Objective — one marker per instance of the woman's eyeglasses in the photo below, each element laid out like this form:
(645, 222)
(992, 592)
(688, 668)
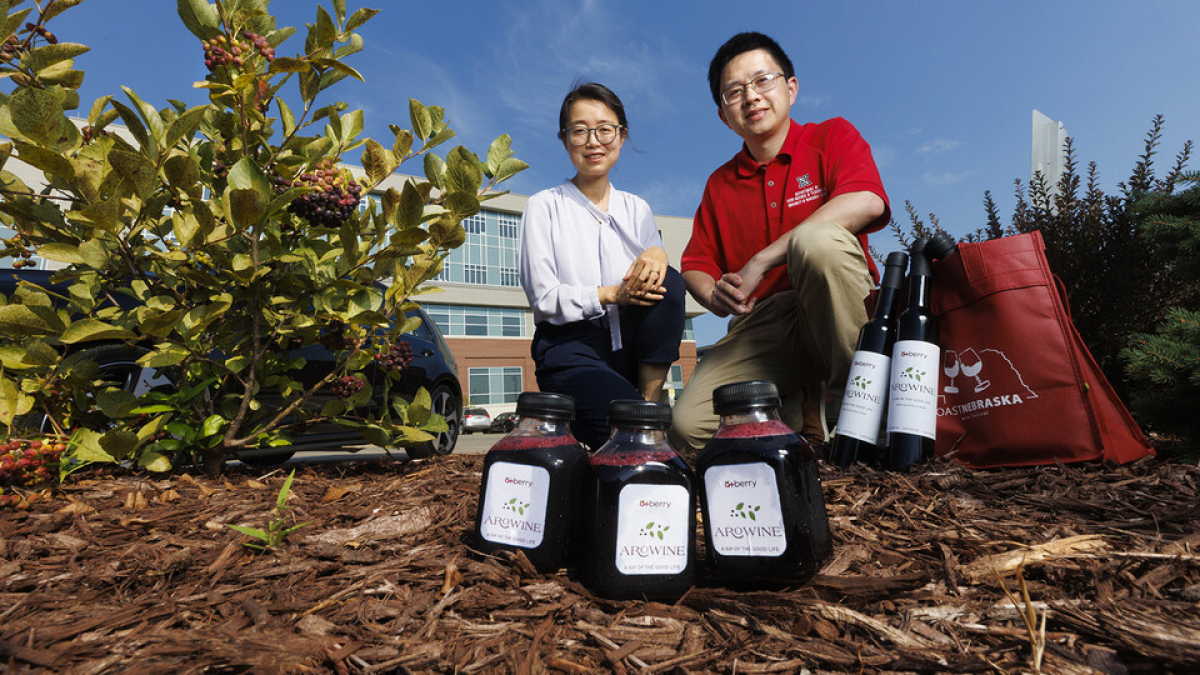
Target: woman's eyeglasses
(605, 133)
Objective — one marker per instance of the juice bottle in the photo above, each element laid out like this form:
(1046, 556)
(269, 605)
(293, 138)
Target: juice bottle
(640, 509)
(764, 516)
(531, 480)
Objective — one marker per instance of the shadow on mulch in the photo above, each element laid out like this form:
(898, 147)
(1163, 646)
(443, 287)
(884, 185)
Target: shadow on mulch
(119, 573)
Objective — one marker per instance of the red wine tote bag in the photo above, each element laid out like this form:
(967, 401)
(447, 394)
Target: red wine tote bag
(1018, 387)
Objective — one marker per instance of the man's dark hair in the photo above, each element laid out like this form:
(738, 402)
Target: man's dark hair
(736, 46)
(590, 91)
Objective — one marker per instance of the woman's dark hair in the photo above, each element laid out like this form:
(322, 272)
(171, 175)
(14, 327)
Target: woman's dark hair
(736, 46)
(591, 91)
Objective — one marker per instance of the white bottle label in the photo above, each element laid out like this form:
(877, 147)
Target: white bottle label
(652, 529)
(515, 509)
(744, 513)
(912, 404)
(865, 398)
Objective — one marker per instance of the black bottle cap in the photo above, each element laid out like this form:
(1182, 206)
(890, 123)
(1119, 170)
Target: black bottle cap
(918, 245)
(939, 246)
(745, 395)
(918, 265)
(546, 405)
(639, 414)
(893, 270)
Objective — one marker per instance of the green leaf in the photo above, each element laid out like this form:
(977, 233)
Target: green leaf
(51, 10)
(63, 253)
(119, 443)
(463, 173)
(285, 114)
(155, 462)
(359, 17)
(498, 151)
(24, 320)
(287, 64)
(435, 170)
(250, 531)
(248, 175)
(164, 356)
(45, 56)
(85, 447)
(322, 33)
(49, 162)
(212, 426)
(38, 115)
(247, 206)
(199, 17)
(422, 123)
(90, 330)
(378, 161)
(509, 168)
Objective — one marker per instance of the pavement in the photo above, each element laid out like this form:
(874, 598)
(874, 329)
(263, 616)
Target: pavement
(469, 444)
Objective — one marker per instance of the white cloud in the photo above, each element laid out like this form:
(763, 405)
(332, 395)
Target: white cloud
(938, 146)
(945, 178)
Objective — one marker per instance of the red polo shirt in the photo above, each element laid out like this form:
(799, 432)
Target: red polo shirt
(747, 205)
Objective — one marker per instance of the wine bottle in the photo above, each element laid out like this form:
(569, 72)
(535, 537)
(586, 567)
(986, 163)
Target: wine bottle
(916, 365)
(857, 433)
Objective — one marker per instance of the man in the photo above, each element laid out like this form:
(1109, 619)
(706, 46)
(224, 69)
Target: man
(779, 242)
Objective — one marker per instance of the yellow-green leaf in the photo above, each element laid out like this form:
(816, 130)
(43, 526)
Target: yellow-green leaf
(89, 330)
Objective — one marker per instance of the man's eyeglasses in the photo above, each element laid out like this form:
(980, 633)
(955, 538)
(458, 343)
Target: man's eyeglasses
(762, 84)
(605, 133)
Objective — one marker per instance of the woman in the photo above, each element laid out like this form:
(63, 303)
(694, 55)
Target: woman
(609, 310)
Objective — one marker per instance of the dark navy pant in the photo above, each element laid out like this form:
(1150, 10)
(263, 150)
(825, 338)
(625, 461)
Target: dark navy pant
(577, 358)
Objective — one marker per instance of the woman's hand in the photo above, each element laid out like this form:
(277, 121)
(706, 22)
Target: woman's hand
(647, 273)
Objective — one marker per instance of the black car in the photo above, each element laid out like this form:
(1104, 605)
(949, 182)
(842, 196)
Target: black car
(504, 422)
(432, 367)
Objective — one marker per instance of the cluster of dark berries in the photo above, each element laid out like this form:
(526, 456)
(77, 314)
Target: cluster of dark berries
(332, 200)
(220, 51)
(90, 134)
(41, 30)
(346, 386)
(397, 356)
(13, 46)
(219, 169)
(25, 463)
(260, 43)
(334, 338)
(16, 247)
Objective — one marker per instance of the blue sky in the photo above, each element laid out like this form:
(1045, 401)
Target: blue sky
(943, 91)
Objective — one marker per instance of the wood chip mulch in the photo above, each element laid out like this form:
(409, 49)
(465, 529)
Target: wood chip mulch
(119, 573)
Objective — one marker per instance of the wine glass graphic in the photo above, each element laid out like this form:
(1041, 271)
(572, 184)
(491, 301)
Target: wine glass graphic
(971, 365)
(951, 370)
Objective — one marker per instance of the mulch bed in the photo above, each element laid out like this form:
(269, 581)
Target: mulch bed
(121, 573)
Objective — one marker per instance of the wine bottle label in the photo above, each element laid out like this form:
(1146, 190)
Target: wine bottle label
(652, 529)
(912, 400)
(514, 511)
(743, 510)
(865, 398)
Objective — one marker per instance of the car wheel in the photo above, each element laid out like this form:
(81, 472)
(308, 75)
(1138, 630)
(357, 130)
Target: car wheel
(118, 365)
(446, 404)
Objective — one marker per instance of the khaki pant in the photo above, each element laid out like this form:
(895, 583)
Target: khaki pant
(798, 339)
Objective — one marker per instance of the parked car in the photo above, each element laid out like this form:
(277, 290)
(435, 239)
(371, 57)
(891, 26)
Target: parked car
(504, 422)
(476, 419)
(432, 367)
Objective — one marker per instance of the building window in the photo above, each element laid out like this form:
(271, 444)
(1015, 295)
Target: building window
(689, 332)
(489, 256)
(495, 385)
(472, 321)
(674, 385)
(476, 224)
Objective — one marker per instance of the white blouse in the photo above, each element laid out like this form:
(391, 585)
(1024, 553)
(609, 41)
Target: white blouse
(569, 247)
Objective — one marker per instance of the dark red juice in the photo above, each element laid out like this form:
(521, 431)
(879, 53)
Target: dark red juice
(621, 557)
(764, 515)
(640, 509)
(528, 498)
